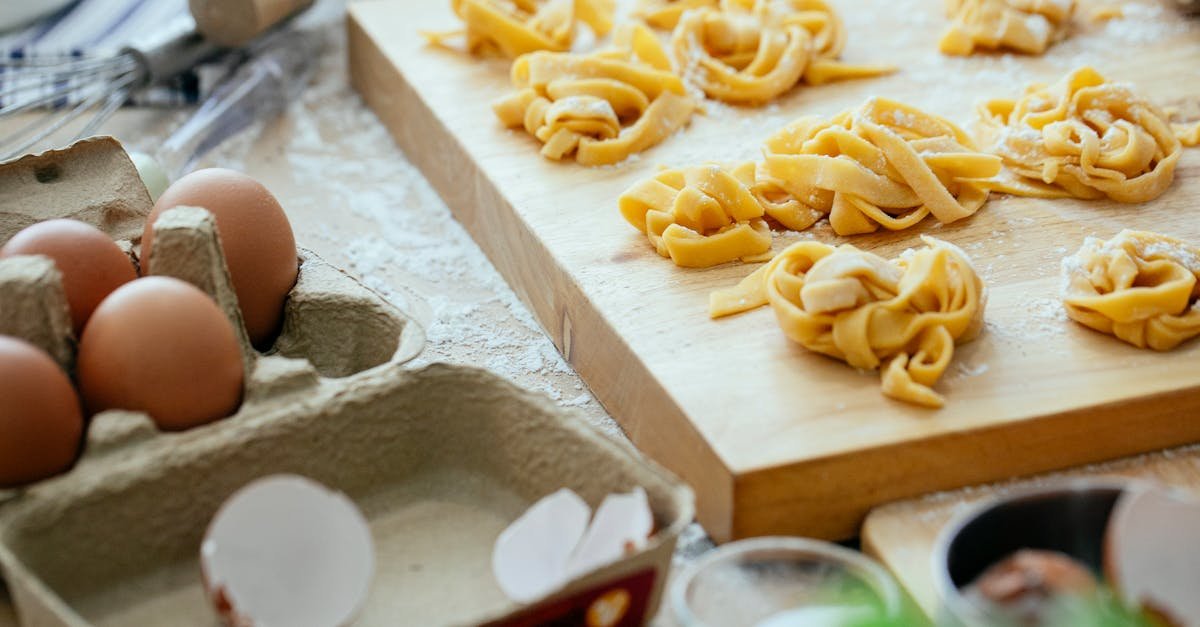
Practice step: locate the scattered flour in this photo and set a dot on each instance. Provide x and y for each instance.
(358, 201)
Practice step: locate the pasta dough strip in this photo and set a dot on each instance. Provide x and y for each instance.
(665, 14)
(1141, 287)
(1083, 137)
(902, 316)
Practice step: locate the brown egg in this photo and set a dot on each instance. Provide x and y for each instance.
(91, 264)
(41, 424)
(161, 346)
(255, 234)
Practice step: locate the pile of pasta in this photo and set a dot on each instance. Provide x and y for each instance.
(600, 107)
(1027, 26)
(1140, 287)
(511, 28)
(902, 316)
(753, 51)
(1084, 137)
(884, 164)
(700, 216)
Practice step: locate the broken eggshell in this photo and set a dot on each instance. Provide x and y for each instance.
(621, 526)
(285, 550)
(1152, 554)
(552, 542)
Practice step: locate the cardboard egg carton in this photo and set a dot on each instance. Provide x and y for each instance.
(440, 459)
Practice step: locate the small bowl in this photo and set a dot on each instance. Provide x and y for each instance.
(742, 584)
(1070, 517)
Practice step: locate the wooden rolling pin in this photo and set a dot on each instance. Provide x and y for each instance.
(234, 23)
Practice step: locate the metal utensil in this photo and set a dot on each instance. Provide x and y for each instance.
(74, 85)
(273, 76)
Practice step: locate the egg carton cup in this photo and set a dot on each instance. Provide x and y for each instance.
(440, 459)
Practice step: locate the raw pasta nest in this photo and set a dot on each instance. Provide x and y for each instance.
(700, 216)
(752, 51)
(601, 107)
(1027, 26)
(1083, 137)
(884, 164)
(514, 27)
(904, 315)
(1141, 287)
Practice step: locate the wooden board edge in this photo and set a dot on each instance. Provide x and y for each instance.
(871, 546)
(765, 500)
(604, 360)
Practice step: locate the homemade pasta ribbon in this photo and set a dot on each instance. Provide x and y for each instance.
(600, 107)
(515, 27)
(699, 216)
(752, 51)
(883, 164)
(1140, 287)
(902, 316)
(1027, 26)
(1083, 137)
(665, 14)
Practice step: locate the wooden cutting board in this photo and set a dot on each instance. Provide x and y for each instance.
(776, 439)
(903, 535)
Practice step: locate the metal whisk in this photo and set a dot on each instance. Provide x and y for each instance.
(72, 86)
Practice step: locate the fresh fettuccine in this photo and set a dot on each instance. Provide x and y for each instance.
(902, 316)
(514, 27)
(1140, 287)
(700, 216)
(1028, 26)
(665, 14)
(1084, 137)
(600, 107)
(883, 164)
(751, 52)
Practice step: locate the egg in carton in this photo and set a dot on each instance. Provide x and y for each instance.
(438, 459)
(330, 319)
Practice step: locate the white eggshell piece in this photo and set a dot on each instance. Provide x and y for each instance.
(1153, 553)
(622, 524)
(530, 556)
(287, 551)
(818, 616)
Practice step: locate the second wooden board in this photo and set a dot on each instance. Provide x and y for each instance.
(904, 535)
(776, 439)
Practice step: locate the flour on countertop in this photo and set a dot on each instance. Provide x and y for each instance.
(408, 246)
